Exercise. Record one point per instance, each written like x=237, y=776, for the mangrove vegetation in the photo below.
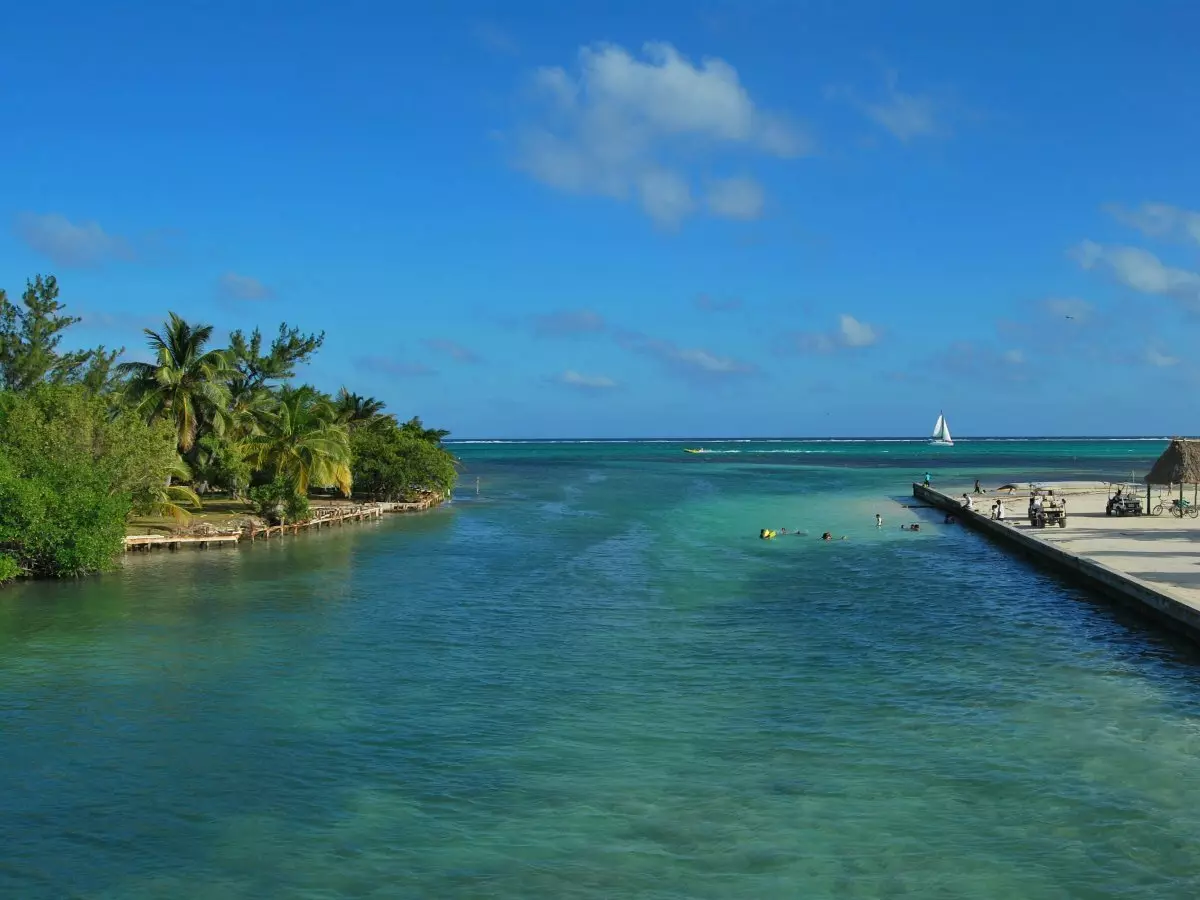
x=88, y=443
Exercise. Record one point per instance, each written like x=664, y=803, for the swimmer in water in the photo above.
x=878, y=520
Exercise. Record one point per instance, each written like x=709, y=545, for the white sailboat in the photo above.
x=941, y=432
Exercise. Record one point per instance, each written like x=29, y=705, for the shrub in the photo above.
x=8, y=569
x=391, y=464
x=58, y=517
x=279, y=502
x=69, y=475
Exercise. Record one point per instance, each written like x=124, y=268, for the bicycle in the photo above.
x=1179, y=509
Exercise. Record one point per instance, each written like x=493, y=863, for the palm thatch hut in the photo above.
x=1179, y=464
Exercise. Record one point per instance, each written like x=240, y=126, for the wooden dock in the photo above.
x=174, y=542
x=322, y=516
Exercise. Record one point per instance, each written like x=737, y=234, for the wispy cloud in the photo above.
x=736, y=198
x=1159, y=220
x=906, y=116
x=494, y=38
x=453, y=350
x=629, y=128
x=850, y=334
x=233, y=286
x=709, y=303
x=386, y=365
x=1140, y=270
x=1155, y=357
x=69, y=244
x=968, y=359
x=568, y=322
x=588, y=383
x=689, y=362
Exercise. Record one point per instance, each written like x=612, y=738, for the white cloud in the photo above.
x=69, y=244
x=1160, y=220
x=666, y=196
x=1013, y=357
x=854, y=333
x=571, y=378
x=736, y=198
x=906, y=116
x=243, y=287
x=1141, y=270
x=1157, y=358
x=850, y=334
x=621, y=126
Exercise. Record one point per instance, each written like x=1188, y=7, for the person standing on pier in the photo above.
x=927, y=477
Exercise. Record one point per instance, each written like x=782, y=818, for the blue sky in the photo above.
x=652, y=219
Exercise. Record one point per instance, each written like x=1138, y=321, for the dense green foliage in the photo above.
x=85, y=442
x=280, y=501
x=392, y=463
x=9, y=569
x=70, y=473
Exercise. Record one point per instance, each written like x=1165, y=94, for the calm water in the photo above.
x=593, y=680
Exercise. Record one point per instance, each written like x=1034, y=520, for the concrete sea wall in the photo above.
x=1160, y=603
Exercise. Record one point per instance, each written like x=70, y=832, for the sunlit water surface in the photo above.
x=591, y=679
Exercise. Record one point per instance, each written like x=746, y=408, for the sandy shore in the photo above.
x=1162, y=550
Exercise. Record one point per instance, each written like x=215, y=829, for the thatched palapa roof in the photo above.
x=1179, y=464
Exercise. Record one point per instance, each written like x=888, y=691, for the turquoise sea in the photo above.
x=587, y=677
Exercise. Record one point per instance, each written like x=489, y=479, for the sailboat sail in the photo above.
x=941, y=431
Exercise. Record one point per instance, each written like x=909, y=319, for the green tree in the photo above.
x=415, y=428
x=304, y=441
x=392, y=463
x=255, y=369
x=29, y=339
x=356, y=410
x=220, y=463
x=186, y=382
x=280, y=501
x=70, y=473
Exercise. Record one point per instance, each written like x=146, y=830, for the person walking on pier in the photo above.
x=927, y=477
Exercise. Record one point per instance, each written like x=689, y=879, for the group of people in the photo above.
x=767, y=534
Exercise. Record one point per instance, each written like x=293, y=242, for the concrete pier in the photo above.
x=1149, y=564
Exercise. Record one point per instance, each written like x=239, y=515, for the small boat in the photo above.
x=694, y=450
x=941, y=432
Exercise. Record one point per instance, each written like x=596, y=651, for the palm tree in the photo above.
x=304, y=441
x=169, y=499
x=355, y=409
x=414, y=427
x=185, y=383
